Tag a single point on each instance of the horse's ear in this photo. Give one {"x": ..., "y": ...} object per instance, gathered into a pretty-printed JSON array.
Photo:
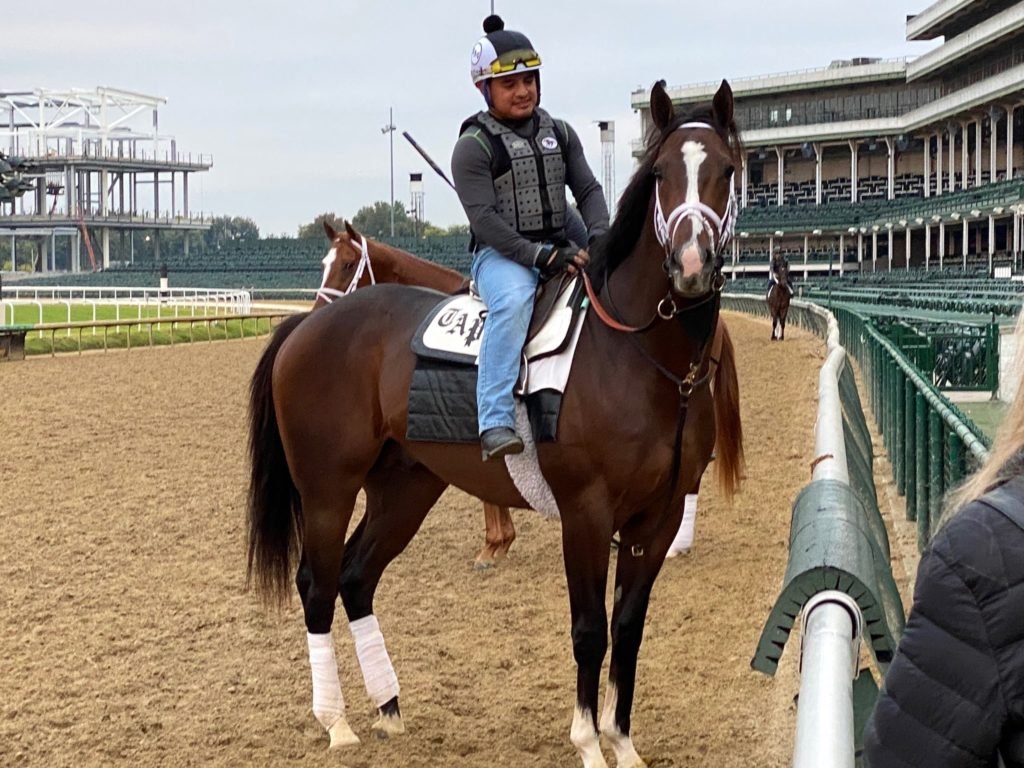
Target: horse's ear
[
  {"x": 722, "y": 105},
  {"x": 351, "y": 231},
  {"x": 329, "y": 231},
  {"x": 661, "y": 106}
]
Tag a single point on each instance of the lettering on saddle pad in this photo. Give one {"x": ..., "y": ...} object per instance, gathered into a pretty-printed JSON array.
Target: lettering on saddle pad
[
  {"x": 467, "y": 326},
  {"x": 452, "y": 331}
]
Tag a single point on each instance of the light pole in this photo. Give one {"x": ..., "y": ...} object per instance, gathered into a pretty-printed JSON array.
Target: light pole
[{"x": 390, "y": 130}]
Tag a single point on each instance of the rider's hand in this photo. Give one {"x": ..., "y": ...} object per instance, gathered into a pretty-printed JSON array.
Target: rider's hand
[
  {"x": 552, "y": 260},
  {"x": 579, "y": 261}
]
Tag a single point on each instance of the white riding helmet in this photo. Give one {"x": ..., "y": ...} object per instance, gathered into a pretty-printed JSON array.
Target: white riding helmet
[{"x": 501, "y": 52}]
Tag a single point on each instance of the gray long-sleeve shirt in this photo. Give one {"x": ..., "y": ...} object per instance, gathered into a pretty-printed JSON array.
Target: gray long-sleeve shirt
[{"x": 471, "y": 170}]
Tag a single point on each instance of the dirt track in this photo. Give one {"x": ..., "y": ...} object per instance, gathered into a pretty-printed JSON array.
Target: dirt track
[{"x": 127, "y": 636}]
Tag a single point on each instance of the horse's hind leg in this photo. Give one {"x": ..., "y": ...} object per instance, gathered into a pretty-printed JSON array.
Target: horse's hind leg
[
  {"x": 399, "y": 493},
  {"x": 325, "y": 519},
  {"x": 499, "y": 534}
]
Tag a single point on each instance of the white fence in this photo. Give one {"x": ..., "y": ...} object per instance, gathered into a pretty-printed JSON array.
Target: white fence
[{"x": 128, "y": 302}]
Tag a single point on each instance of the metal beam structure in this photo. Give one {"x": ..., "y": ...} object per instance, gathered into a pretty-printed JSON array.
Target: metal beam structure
[{"x": 92, "y": 153}]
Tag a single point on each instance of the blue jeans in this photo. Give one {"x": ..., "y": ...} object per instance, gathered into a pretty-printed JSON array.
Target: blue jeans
[{"x": 507, "y": 289}]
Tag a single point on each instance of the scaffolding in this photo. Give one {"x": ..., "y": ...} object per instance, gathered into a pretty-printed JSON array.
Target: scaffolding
[{"x": 100, "y": 163}]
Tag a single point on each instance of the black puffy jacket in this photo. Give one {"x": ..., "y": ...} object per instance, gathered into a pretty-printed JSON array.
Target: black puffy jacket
[{"x": 954, "y": 693}]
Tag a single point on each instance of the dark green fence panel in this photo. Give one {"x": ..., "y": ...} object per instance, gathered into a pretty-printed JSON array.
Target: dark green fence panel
[{"x": 834, "y": 543}]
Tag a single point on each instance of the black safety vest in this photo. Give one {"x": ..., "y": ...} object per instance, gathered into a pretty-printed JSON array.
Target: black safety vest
[{"x": 529, "y": 174}]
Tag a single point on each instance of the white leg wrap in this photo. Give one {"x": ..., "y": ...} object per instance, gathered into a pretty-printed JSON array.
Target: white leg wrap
[
  {"x": 328, "y": 703},
  {"x": 585, "y": 739},
  {"x": 684, "y": 536},
  {"x": 378, "y": 674}
]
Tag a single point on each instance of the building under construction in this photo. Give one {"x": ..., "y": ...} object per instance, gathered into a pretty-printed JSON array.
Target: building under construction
[{"x": 85, "y": 167}]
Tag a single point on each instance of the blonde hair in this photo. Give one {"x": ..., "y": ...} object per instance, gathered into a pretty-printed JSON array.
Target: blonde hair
[{"x": 1003, "y": 459}]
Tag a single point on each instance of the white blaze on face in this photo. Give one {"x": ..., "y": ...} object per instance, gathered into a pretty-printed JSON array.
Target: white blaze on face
[
  {"x": 327, "y": 261},
  {"x": 693, "y": 156}
]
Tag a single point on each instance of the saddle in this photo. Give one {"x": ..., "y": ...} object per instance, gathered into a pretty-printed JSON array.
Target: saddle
[{"x": 442, "y": 393}]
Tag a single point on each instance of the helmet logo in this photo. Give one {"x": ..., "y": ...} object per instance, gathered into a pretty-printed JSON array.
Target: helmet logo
[
  {"x": 549, "y": 142},
  {"x": 478, "y": 51}
]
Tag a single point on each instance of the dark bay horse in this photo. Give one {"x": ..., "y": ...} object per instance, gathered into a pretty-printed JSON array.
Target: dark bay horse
[
  {"x": 779, "y": 293},
  {"x": 636, "y": 430},
  {"x": 355, "y": 261}
]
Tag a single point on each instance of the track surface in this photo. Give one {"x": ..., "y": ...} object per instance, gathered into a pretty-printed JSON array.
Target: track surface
[{"x": 128, "y": 637}]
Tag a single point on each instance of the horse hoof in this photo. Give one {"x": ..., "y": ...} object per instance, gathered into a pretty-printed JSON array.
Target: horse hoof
[
  {"x": 342, "y": 735},
  {"x": 388, "y": 726},
  {"x": 484, "y": 565}
]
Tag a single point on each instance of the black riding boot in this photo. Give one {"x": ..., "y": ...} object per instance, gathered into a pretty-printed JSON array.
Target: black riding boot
[{"x": 498, "y": 442}]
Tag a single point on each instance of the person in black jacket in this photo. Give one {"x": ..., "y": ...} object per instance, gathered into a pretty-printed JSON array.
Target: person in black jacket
[{"x": 954, "y": 693}]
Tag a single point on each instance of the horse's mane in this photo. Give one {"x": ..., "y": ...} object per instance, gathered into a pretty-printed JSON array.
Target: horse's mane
[{"x": 631, "y": 214}]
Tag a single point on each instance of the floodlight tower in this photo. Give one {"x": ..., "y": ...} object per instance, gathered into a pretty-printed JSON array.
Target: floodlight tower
[
  {"x": 608, "y": 161},
  {"x": 416, "y": 201},
  {"x": 389, "y": 129}
]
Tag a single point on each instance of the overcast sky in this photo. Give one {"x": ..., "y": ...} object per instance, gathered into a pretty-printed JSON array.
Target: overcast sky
[{"x": 289, "y": 97}]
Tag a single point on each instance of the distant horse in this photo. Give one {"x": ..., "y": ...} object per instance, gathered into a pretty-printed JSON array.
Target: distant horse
[
  {"x": 355, "y": 261},
  {"x": 328, "y": 415},
  {"x": 779, "y": 292}
]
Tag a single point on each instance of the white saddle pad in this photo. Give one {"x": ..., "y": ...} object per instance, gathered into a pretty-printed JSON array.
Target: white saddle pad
[{"x": 456, "y": 329}]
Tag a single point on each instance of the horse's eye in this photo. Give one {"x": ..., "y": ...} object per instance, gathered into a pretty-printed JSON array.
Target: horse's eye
[
  {"x": 656, "y": 172},
  {"x": 729, "y": 171}
]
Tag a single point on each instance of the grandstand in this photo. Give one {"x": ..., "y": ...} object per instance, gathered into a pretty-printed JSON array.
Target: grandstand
[
  {"x": 271, "y": 267},
  {"x": 869, "y": 164},
  {"x": 98, "y": 166}
]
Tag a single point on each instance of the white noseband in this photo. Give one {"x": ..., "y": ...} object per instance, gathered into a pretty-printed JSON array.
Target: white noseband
[
  {"x": 719, "y": 228},
  {"x": 329, "y": 294}
]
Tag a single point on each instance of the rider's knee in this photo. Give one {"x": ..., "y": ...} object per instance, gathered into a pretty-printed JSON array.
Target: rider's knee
[{"x": 514, "y": 300}]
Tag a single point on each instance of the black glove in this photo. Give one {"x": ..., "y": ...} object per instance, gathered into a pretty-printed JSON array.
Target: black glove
[{"x": 551, "y": 259}]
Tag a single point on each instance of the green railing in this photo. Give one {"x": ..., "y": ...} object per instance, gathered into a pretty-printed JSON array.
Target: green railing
[
  {"x": 931, "y": 444},
  {"x": 838, "y": 545},
  {"x": 954, "y": 355}
]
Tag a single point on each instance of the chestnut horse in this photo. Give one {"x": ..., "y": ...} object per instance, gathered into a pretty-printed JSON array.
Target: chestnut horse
[
  {"x": 328, "y": 413},
  {"x": 354, "y": 261},
  {"x": 779, "y": 292}
]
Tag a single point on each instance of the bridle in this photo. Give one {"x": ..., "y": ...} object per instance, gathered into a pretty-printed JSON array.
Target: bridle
[
  {"x": 330, "y": 294},
  {"x": 720, "y": 230}
]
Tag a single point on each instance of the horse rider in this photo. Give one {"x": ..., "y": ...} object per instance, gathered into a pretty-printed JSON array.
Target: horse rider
[
  {"x": 778, "y": 260},
  {"x": 511, "y": 165}
]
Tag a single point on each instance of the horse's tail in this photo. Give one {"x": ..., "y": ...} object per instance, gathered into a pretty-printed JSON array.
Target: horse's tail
[
  {"x": 274, "y": 509},
  {"x": 729, "y": 431}
]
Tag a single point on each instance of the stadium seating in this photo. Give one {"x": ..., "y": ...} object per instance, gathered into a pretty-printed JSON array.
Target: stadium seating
[
  {"x": 839, "y": 215},
  {"x": 269, "y": 265}
]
